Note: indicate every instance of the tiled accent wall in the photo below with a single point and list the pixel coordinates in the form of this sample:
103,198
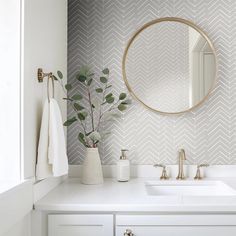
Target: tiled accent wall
98,32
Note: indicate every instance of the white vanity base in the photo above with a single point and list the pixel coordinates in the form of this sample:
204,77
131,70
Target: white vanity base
74,209
143,224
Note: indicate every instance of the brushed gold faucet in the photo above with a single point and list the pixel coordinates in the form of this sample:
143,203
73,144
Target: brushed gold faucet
182,158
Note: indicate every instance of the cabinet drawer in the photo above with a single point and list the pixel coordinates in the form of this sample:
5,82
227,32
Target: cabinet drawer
177,230
178,225
178,220
76,225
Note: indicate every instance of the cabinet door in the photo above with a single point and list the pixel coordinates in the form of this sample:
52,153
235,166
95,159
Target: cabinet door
80,225
178,225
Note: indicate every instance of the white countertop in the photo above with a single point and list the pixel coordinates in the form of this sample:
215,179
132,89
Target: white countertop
113,196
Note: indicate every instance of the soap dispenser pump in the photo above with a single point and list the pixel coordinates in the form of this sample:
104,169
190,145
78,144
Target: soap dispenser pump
123,167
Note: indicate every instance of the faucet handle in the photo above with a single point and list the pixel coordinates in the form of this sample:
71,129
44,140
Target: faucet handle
198,173
202,165
164,172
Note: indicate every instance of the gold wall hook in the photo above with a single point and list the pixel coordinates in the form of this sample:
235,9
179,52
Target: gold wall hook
41,75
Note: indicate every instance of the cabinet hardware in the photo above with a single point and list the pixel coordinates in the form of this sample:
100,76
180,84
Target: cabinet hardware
128,232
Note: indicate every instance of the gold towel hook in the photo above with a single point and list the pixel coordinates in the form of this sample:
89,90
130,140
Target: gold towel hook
41,76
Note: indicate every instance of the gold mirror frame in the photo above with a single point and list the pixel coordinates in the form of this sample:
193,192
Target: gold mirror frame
136,34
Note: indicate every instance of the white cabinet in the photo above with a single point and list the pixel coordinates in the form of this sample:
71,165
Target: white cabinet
178,225
80,225
142,225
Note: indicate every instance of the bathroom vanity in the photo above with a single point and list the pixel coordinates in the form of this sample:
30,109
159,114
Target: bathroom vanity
177,80
140,207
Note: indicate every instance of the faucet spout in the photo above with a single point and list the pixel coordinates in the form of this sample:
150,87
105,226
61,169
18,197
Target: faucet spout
182,158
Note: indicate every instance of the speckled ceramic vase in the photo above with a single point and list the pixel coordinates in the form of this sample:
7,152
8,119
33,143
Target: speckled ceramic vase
92,168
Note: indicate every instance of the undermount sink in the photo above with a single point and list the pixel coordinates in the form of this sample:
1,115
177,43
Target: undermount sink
188,188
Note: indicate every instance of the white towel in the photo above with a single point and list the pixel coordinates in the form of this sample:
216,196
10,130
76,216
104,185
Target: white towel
52,158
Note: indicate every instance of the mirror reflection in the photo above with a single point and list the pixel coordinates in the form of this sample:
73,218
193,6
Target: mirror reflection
170,67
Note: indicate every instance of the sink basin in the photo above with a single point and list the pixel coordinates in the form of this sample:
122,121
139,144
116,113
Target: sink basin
188,188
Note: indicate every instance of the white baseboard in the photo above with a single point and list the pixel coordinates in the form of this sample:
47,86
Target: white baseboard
145,171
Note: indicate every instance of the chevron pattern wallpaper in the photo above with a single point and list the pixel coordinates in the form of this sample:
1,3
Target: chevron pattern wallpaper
98,32
158,55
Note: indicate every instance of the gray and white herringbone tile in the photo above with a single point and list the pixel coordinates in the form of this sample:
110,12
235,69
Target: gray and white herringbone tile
98,31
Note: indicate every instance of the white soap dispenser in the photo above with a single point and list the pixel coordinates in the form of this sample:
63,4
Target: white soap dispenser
123,167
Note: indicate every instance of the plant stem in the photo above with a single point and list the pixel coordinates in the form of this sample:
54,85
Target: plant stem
100,111
71,104
91,107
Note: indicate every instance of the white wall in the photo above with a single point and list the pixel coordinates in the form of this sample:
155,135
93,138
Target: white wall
21,228
45,46
10,23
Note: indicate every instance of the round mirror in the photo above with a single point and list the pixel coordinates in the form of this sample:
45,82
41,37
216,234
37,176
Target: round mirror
169,65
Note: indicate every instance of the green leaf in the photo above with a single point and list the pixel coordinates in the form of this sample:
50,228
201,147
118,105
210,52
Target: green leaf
68,87
105,71
103,79
109,95
99,90
89,82
110,99
69,99
109,86
81,78
126,102
60,75
122,107
87,134
91,74
122,96
82,115
81,139
78,107
70,121
54,77
77,97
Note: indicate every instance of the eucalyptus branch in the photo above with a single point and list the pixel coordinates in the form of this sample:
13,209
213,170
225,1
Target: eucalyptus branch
85,77
100,111
71,104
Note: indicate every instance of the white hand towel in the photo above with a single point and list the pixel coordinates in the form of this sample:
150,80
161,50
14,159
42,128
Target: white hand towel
52,158
57,146
43,169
